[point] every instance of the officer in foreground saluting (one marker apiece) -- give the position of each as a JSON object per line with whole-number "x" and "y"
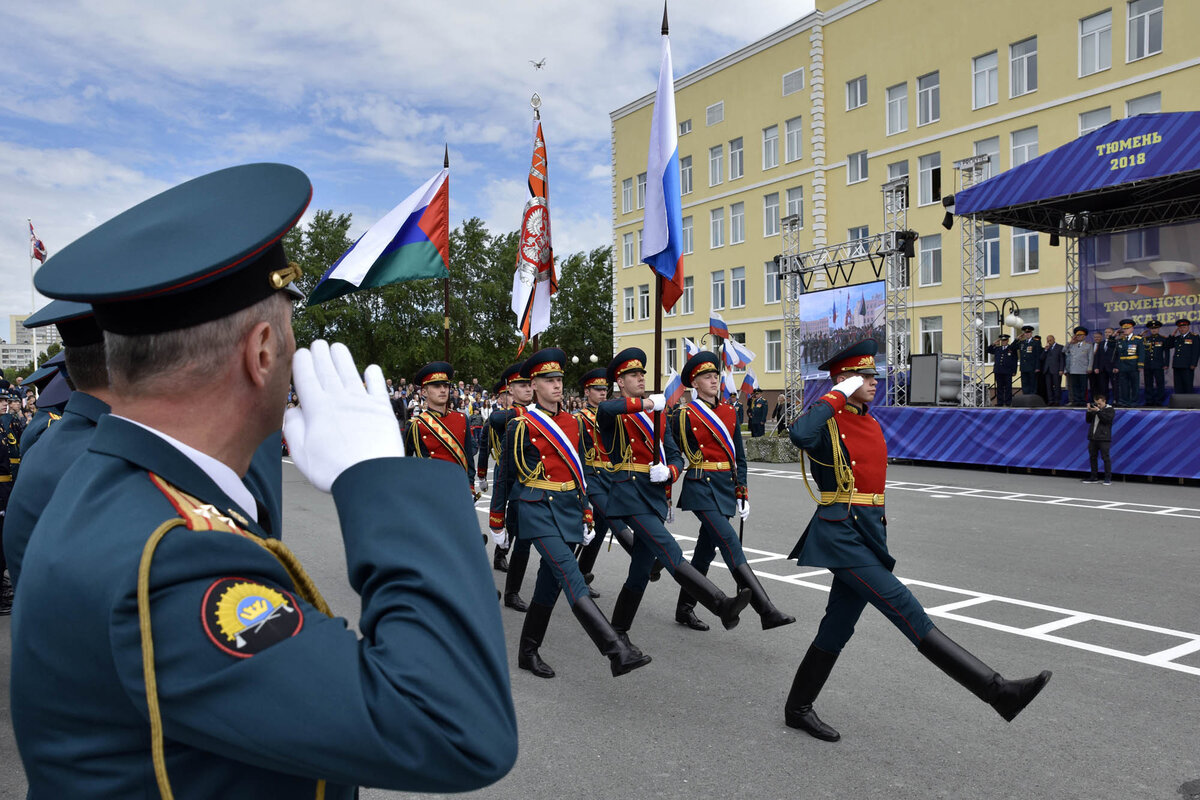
{"x": 156, "y": 617}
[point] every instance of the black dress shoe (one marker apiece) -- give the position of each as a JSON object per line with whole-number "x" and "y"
{"x": 514, "y": 601}
{"x": 592, "y": 593}
{"x": 805, "y": 719}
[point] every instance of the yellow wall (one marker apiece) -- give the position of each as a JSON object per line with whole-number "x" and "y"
{"x": 891, "y": 42}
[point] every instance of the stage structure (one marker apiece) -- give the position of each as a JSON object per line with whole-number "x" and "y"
{"x": 970, "y": 171}
{"x": 888, "y": 253}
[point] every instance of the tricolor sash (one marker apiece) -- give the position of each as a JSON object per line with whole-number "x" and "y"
{"x": 646, "y": 426}
{"x": 714, "y": 424}
{"x": 546, "y": 425}
{"x": 446, "y": 437}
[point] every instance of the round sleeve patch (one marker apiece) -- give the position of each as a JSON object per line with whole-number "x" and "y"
{"x": 243, "y": 617}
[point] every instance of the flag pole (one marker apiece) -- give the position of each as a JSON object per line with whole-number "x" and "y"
{"x": 658, "y": 311}
{"x": 446, "y": 282}
{"x": 32, "y": 295}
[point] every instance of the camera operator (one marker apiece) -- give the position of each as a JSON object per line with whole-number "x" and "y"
{"x": 1099, "y": 421}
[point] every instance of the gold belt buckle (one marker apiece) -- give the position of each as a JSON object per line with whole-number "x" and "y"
{"x": 877, "y": 499}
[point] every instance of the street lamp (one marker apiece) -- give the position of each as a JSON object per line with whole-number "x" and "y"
{"x": 1006, "y": 314}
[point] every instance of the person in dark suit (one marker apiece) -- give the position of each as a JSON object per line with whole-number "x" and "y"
{"x": 758, "y": 414}
{"x": 1004, "y": 366}
{"x": 1154, "y": 369}
{"x": 1186, "y": 347}
{"x": 1029, "y": 354}
{"x": 848, "y": 535}
{"x": 1054, "y": 361}
{"x": 1100, "y": 417}
{"x": 502, "y": 518}
{"x": 1103, "y": 350}
{"x": 185, "y": 607}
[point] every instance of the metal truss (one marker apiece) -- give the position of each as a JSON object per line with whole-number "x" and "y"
{"x": 970, "y": 171}
{"x": 792, "y": 282}
{"x": 897, "y": 291}
{"x": 1072, "y": 249}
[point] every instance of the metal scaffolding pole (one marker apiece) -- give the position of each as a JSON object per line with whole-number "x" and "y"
{"x": 897, "y": 291}
{"x": 970, "y": 172}
{"x": 792, "y": 283}
{"x": 1073, "y": 311}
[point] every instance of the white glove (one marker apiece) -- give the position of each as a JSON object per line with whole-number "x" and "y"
{"x": 659, "y": 401}
{"x": 481, "y": 485}
{"x": 850, "y": 385}
{"x": 500, "y": 537}
{"x": 588, "y": 535}
{"x": 743, "y": 509}
{"x": 339, "y": 423}
{"x": 660, "y": 473}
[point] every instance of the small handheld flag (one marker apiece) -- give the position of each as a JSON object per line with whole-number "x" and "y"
{"x": 717, "y": 326}
{"x": 690, "y": 348}
{"x": 728, "y": 387}
{"x": 737, "y": 355}
{"x": 674, "y": 390}
{"x": 749, "y": 381}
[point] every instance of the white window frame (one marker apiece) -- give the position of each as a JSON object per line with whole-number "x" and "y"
{"x": 637, "y": 246}
{"x": 1103, "y": 45}
{"x": 716, "y": 228}
{"x": 1087, "y": 127}
{"x": 932, "y": 328}
{"x": 1023, "y": 65}
{"x": 737, "y": 223}
{"x": 771, "y": 289}
{"x": 644, "y": 301}
{"x": 983, "y": 148}
{"x": 716, "y": 165}
{"x": 627, "y": 250}
{"x": 1153, "y": 96}
{"x": 794, "y": 204}
{"x": 685, "y": 175}
{"x": 773, "y": 349}
{"x": 627, "y": 196}
{"x": 770, "y": 147}
{"x": 855, "y": 91}
{"x": 925, "y": 167}
{"x": 1024, "y": 244}
{"x": 771, "y": 214}
{"x": 898, "y": 104}
{"x": 1020, "y": 153}
{"x": 714, "y": 114}
{"x": 630, "y": 304}
{"x": 1148, "y": 245}
{"x": 929, "y": 99}
{"x": 737, "y": 287}
{"x": 641, "y": 190}
{"x": 685, "y": 127}
{"x": 794, "y": 74}
{"x": 991, "y": 80}
{"x": 793, "y": 142}
{"x": 717, "y": 290}
{"x": 670, "y": 348}
{"x": 1147, "y": 30}
{"x": 859, "y": 234}
{"x": 688, "y": 301}
{"x": 929, "y": 256}
{"x": 736, "y": 159}
{"x": 990, "y": 245}
{"x": 687, "y": 236}
{"x": 857, "y": 167}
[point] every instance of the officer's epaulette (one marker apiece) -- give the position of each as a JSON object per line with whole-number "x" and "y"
{"x": 198, "y": 516}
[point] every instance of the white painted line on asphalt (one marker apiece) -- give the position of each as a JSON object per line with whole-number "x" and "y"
{"x": 955, "y": 606}
{"x": 1178, "y": 651}
{"x": 1059, "y": 624}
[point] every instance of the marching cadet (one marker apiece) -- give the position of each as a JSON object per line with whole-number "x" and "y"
{"x": 546, "y": 483}
{"x": 1004, "y": 366}
{"x": 151, "y": 568}
{"x": 848, "y": 535}
{"x": 643, "y": 470}
{"x": 12, "y": 425}
{"x": 502, "y": 518}
{"x": 714, "y": 487}
{"x": 1128, "y": 360}
{"x": 1187, "y": 351}
{"x": 438, "y": 432}
{"x": 10, "y": 459}
{"x": 492, "y": 441}
{"x": 48, "y": 410}
{"x": 1029, "y": 354}
{"x": 1154, "y": 347}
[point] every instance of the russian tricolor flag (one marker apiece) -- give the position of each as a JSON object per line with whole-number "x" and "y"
{"x": 411, "y": 242}
{"x": 750, "y": 381}
{"x": 662, "y": 237}
{"x": 717, "y": 326}
{"x": 674, "y": 390}
{"x": 737, "y": 355}
{"x": 690, "y": 348}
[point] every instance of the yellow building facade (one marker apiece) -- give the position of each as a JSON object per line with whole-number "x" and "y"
{"x": 814, "y": 118}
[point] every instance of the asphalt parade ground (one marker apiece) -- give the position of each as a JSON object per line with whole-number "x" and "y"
{"x": 1097, "y": 583}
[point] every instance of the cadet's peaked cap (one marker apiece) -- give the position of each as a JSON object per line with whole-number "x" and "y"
{"x": 75, "y": 321}
{"x": 595, "y": 378}
{"x": 858, "y": 357}
{"x": 52, "y": 366}
{"x": 1080, "y": 329}
{"x": 631, "y": 359}
{"x": 1027, "y": 328}
{"x": 1153, "y": 324}
{"x": 195, "y": 253}
{"x": 1005, "y": 336}
{"x": 1183, "y": 321}
{"x": 545, "y": 363}
{"x": 57, "y": 391}
{"x": 702, "y": 362}
{"x": 1126, "y": 323}
{"x": 513, "y": 374}
{"x": 434, "y": 372}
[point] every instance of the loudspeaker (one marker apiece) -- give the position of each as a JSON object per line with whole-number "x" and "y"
{"x": 1184, "y": 401}
{"x": 1028, "y": 401}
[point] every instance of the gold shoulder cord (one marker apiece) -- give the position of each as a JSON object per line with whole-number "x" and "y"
{"x": 619, "y": 429}
{"x": 693, "y": 457}
{"x": 497, "y": 446}
{"x": 842, "y": 473}
{"x": 524, "y": 473}
{"x": 304, "y": 587}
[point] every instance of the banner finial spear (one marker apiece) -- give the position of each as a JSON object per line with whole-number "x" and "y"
{"x": 664, "y": 27}
{"x": 446, "y": 161}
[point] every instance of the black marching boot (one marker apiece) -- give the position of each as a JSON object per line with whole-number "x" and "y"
{"x": 709, "y": 596}
{"x": 771, "y": 616}
{"x": 685, "y": 612}
{"x": 623, "y": 613}
{"x": 1007, "y": 697}
{"x": 537, "y": 619}
{"x": 512, "y": 581}
{"x": 624, "y": 537}
{"x": 656, "y": 571}
{"x": 500, "y": 560}
{"x": 623, "y": 657}
{"x": 810, "y": 678}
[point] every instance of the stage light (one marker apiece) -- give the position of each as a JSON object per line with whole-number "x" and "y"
{"x": 1054, "y": 240}
{"x": 948, "y": 204}
{"x": 906, "y": 241}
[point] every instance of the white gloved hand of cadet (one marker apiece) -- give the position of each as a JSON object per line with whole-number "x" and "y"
{"x": 659, "y": 401}
{"x": 588, "y": 535}
{"x": 660, "y": 473}
{"x": 500, "y": 537}
{"x": 481, "y": 485}
{"x": 743, "y": 509}
{"x": 339, "y": 422}
{"x": 850, "y": 385}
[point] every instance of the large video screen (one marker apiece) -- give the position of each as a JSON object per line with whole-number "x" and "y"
{"x": 833, "y": 319}
{"x": 1142, "y": 275}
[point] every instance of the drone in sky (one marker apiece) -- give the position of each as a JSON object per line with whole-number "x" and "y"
{"x": 538, "y": 64}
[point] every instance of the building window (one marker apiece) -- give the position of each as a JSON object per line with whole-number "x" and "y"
{"x": 1141, "y": 245}
{"x": 641, "y": 190}
{"x": 859, "y": 236}
{"x": 1031, "y": 316}
{"x": 1095, "y": 250}
{"x": 672, "y": 359}
{"x": 1024, "y": 146}
{"x": 1094, "y": 120}
{"x": 685, "y": 127}
{"x": 774, "y": 351}
{"x": 1147, "y": 104}
{"x": 793, "y": 138}
{"x": 985, "y": 77}
{"x": 771, "y": 214}
{"x": 1095, "y": 43}
{"x": 736, "y": 167}
{"x": 627, "y": 257}
{"x": 856, "y": 167}
{"x": 737, "y": 223}
{"x": 929, "y": 179}
{"x": 687, "y": 242}
{"x": 931, "y": 334}
{"x": 688, "y": 301}
{"x": 627, "y": 195}
{"x": 991, "y": 251}
{"x": 897, "y": 108}
{"x": 714, "y": 113}
{"x": 990, "y": 148}
{"x": 929, "y": 99}
{"x": 737, "y": 287}
{"x": 629, "y": 304}
{"x": 685, "y": 175}
{"x": 1025, "y": 251}
{"x": 717, "y": 227}
{"x": 644, "y": 301}
{"x": 770, "y": 282}
{"x": 770, "y": 147}
{"x": 930, "y": 273}
{"x": 1145, "y": 28}
{"x": 793, "y": 81}
{"x": 856, "y": 93}
{"x": 795, "y": 204}
{"x": 716, "y": 156}
{"x": 637, "y": 246}
{"x": 899, "y": 169}
{"x": 1022, "y": 59}
{"x": 718, "y": 290}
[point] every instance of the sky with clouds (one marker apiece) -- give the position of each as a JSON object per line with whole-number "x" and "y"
{"x": 103, "y": 103}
